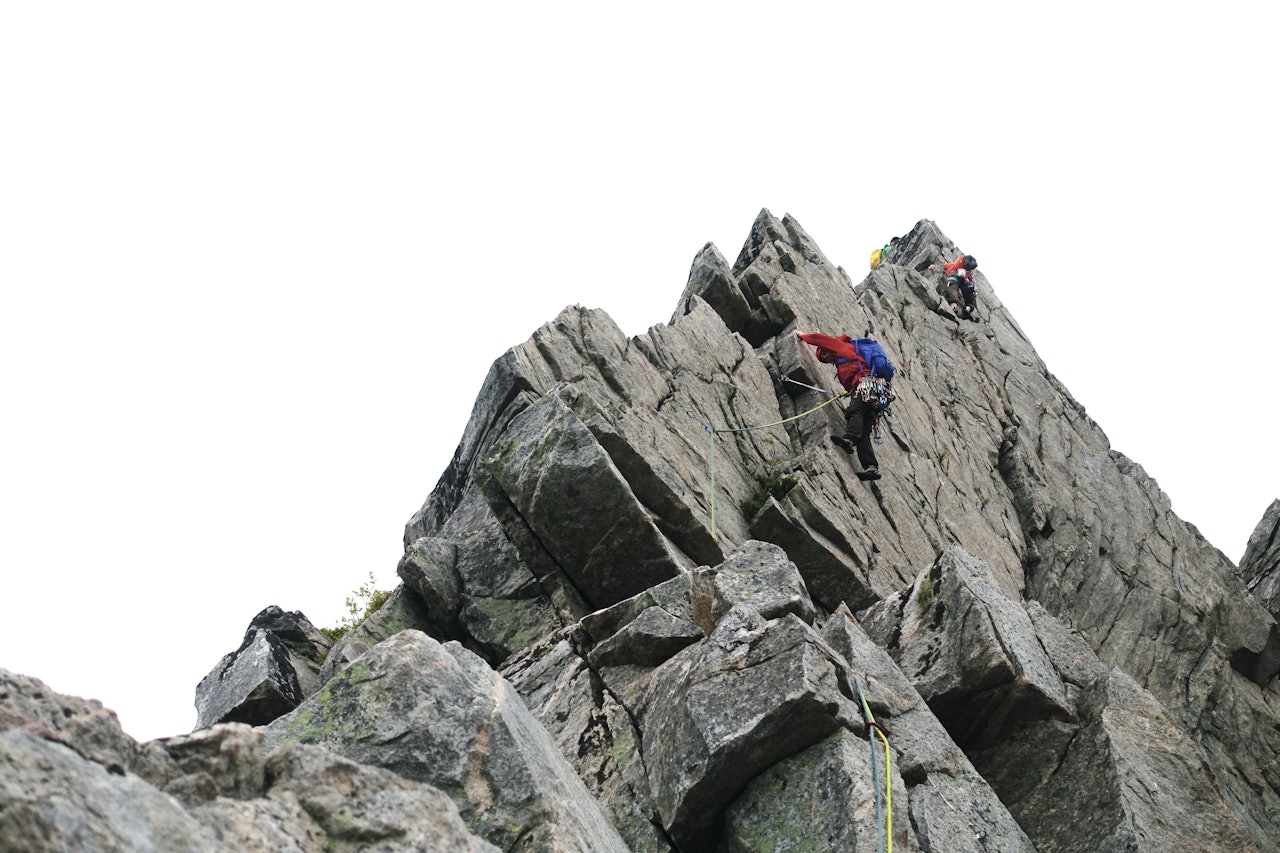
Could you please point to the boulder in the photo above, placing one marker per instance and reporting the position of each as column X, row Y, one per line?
column 359, row 806
column 275, row 668
column 724, row 710
column 225, row 760
column 82, row 725
column 969, row 650
column 438, row 714
column 52, row 799
column 69, row 781
column 320, row 801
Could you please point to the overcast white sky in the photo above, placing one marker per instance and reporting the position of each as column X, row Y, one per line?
column 256, row 258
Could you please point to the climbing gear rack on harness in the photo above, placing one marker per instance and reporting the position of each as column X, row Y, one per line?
column 879, row 393
column 873, row 389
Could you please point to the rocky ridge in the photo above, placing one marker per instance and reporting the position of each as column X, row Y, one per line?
column 649, row 607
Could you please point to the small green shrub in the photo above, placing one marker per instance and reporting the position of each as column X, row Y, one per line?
column 776, row 486
column 925, row 596
column 361, row 604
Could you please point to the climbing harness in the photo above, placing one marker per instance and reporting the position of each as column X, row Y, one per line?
column 884, row 806
column 874, row 390
column 714, row 431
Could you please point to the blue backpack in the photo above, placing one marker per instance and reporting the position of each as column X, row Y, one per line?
column 873, row 354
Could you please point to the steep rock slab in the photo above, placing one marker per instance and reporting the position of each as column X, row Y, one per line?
column 51, row 799
column 981, row 662
column 610, row 549
column 1150, row 595
column 720, row 712
column 939, row 447
column 647, row 401
column 440, row 715
column 1123, row 726
column 1159, row 603
column 1260, row 565
column 970, row 651
column 949, row 806
column 275, row 668
column 493, row 594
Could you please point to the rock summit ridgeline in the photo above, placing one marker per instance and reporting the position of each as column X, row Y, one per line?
column 649, row 606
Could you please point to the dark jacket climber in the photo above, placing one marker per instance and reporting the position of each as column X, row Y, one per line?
column 866, row 373
column 960, row 285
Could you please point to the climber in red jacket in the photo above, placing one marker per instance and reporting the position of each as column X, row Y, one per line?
column 865, row 372
column 961, row 286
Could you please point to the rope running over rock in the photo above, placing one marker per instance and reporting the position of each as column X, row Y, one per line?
column 714, row 431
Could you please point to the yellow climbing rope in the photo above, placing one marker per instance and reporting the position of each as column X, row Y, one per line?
column 884, row 822
column 714, row 431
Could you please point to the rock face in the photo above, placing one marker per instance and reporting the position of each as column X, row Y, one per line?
column 1260, row 565
column 649, row 606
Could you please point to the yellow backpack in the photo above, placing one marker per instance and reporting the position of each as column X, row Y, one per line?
column 875, row 257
